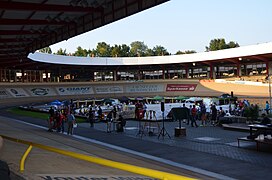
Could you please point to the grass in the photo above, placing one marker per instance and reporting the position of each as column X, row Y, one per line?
column 35, row 114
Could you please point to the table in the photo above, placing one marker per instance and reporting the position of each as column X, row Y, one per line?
column 258, row 126
column 257, row 141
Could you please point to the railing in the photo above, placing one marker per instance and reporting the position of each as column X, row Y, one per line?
column 123, row 166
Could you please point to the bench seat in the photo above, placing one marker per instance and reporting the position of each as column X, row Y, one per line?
column 257, row 141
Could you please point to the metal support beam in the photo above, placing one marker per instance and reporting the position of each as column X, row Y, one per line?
column 10, row 5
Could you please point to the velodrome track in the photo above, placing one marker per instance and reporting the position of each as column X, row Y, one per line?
column 203, row 88
column 147, row 88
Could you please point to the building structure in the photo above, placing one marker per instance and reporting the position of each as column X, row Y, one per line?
column 235, row 62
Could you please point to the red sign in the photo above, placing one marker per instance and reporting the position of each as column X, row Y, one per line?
column 181, row 87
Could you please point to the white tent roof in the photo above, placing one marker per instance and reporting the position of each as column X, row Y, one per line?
column 265, row 48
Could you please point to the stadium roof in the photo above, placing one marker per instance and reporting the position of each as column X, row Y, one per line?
column 260, row 52
column 28, row 25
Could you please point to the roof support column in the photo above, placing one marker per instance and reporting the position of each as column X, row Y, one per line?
column 239, row 70
column 211, row 74
column 139, row 74
column 23, row 75
column 92, row 76
column 5, row 75
column 114, row 75
column 268, row 68
column 1, row 78
column 186, row 72
column 46, row 75
column 9, row 75
column 163, row 71
column 40, row 76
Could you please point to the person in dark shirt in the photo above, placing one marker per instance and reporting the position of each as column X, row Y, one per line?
column 99, row 112
column 265, row 120
column 121, row 123
column 51, row 112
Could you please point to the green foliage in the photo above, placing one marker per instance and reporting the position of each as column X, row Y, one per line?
column 103, row 50
column 81, row 52
column 186, row 52
column 46, row 50
column 160, row 51
column 61, row 52
column 252, row 112
column 125, row 51
column 35, row 114
column 138, row 48
column 218, row 44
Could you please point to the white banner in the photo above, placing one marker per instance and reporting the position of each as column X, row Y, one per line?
column 144, row 88
column 109, row 89
column 4, row 94
column 40, row 91
column 17, row 92
column 75, row 90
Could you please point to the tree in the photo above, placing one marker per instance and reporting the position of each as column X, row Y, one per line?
column 150, row 52
column 160, row 51
column 61, row 52
column 233, row 44
column 103, row 50
column 218, row 44
column 186, row 52
column 81, row 52
column 46, row 50
column 125, row 51
column 138, row 48
column 116, row 51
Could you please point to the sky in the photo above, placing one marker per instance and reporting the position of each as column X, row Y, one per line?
column 184, row 25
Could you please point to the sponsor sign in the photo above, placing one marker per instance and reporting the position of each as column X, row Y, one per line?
column 4, row 94
column 74, row 90
column 181, row 87
column 17, row 92
column 109, row 89
column 40, row 91
column 144, row 88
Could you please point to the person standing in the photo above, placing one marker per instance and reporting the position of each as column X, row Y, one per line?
column 114, row 112
column 194, row 114
column 267, row 107
column 91, row 116
column 203, row 114
column 99, row 112
column 70, row 120
column 190, row 115
column 214, row 114
column 121, row 123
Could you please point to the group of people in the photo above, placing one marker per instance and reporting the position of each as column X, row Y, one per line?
column 199, row 113
column 57, row 119
column 110, row 118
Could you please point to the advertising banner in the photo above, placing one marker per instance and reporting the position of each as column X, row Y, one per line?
column 77, row 90
column 181, row 87
column 17, row 92
column 108, row 89
column 144, row 88
column 41, row 91
column 4, row 94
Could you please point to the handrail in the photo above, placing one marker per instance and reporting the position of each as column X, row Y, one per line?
column 123, row 166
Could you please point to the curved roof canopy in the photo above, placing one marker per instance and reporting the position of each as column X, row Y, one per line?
column 28, row 25
column 261, row 52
